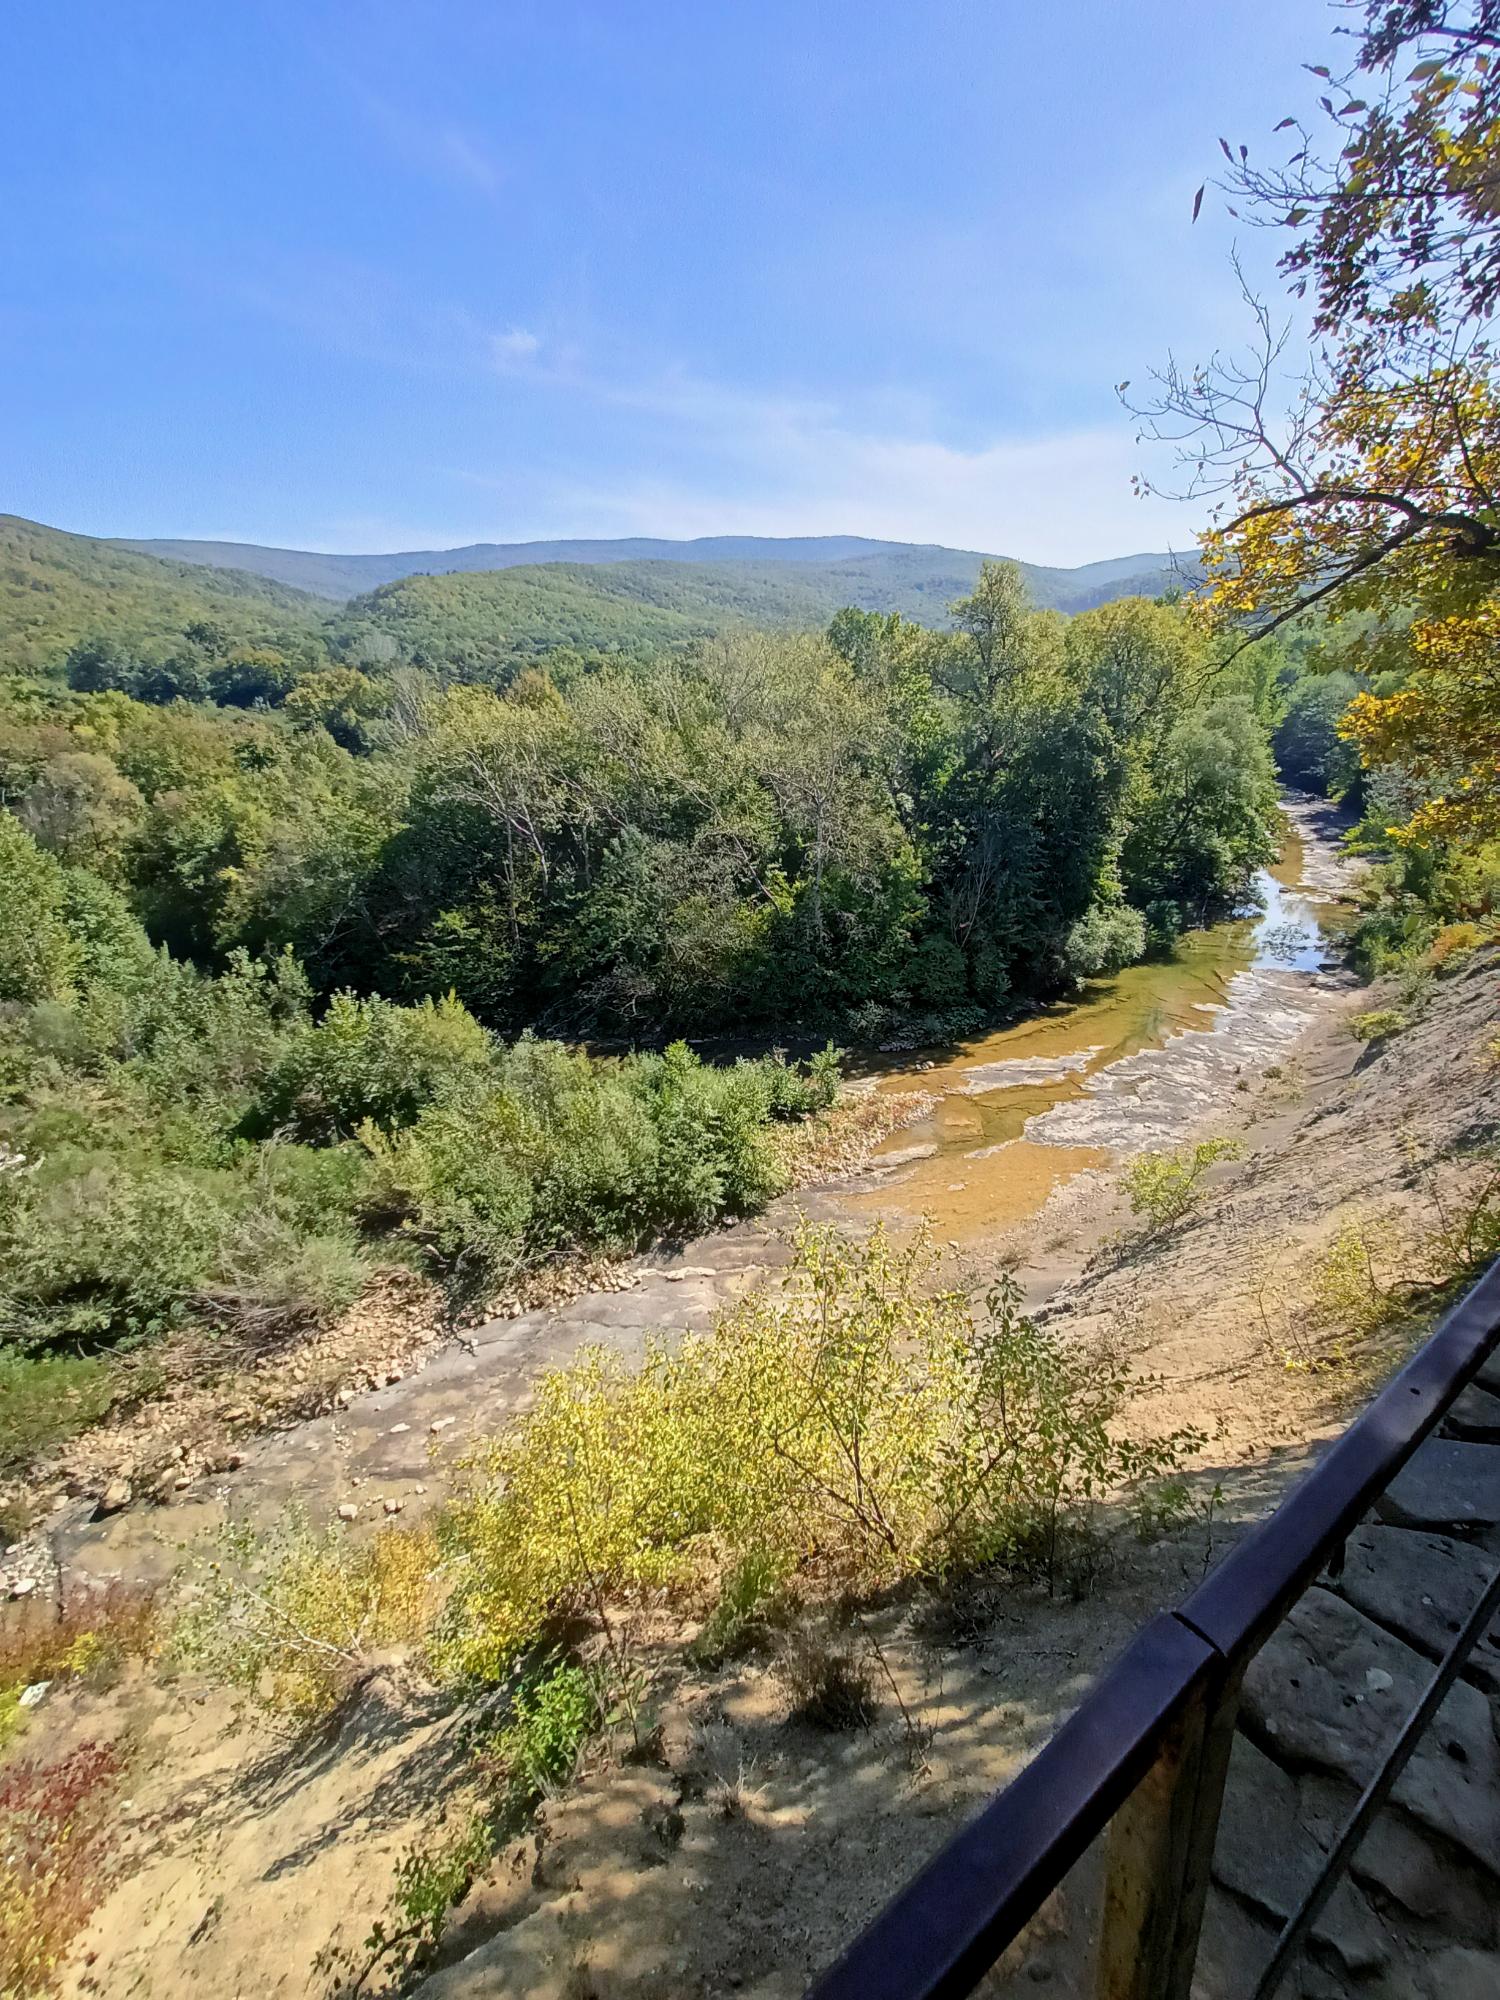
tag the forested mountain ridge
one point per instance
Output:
(870, 574)
(478, 621)
(57, 588)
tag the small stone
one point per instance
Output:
(397, 1429)
(33, 1696)
(392, 1376)
(23, 1586)
(182, 1481)
(394, 1506)
(419, 1489)
(1377, 1680)
(348, 1511)
(439, 1424)
(115, 1496)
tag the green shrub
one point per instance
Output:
(1103, 940)
(311, 1186)
(460, 1181)
(271, 1277)
(938, 973)
(747, 1597)
(1387, 938)
(99, 1248)
(1379, 1023)
(1162, 1187)
(571, 1150)
(46, 1398)
(799, 1093)
(552, 1715)
(40, 958)
(857, 1422)
(371, 1061)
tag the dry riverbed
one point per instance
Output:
(743, 1851)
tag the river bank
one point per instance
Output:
(1007, 1145)
(747, 1848)
(740, 1855)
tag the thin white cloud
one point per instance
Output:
(783, 465)
(514, 348)
(435, 146)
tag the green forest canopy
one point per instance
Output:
(282, 894)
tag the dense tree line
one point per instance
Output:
(883, 821)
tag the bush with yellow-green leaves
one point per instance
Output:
(293, 1616)
(857, 1425)
(1162, 1187)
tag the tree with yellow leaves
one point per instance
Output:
(1372, 484)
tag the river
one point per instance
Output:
(1142, 1059)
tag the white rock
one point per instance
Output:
(396, 1429)
(438, 1424)
(348, 1512)
(31, 1697)
(394, 1506)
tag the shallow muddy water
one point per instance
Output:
(1135, 1061)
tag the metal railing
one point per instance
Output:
(1146, 1754)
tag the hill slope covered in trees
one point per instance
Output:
(56, 589)
(479, 619)
(909, 577)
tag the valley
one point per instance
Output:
(227, 1828)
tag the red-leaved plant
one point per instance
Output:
(55, 1837)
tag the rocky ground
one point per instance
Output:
(746, 1849)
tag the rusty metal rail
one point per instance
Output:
(1145, 1755)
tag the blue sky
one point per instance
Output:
(378, 275)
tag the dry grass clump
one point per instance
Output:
(89, 1637)
(827, 1685)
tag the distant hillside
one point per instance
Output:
(485, 616)
(57, 588)
(904, 576)
(482, 623)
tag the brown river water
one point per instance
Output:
(1140, 1059)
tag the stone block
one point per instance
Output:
(1448, 1486)
(1329, 1692)
(1422, 1587)
(1268, 1857)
